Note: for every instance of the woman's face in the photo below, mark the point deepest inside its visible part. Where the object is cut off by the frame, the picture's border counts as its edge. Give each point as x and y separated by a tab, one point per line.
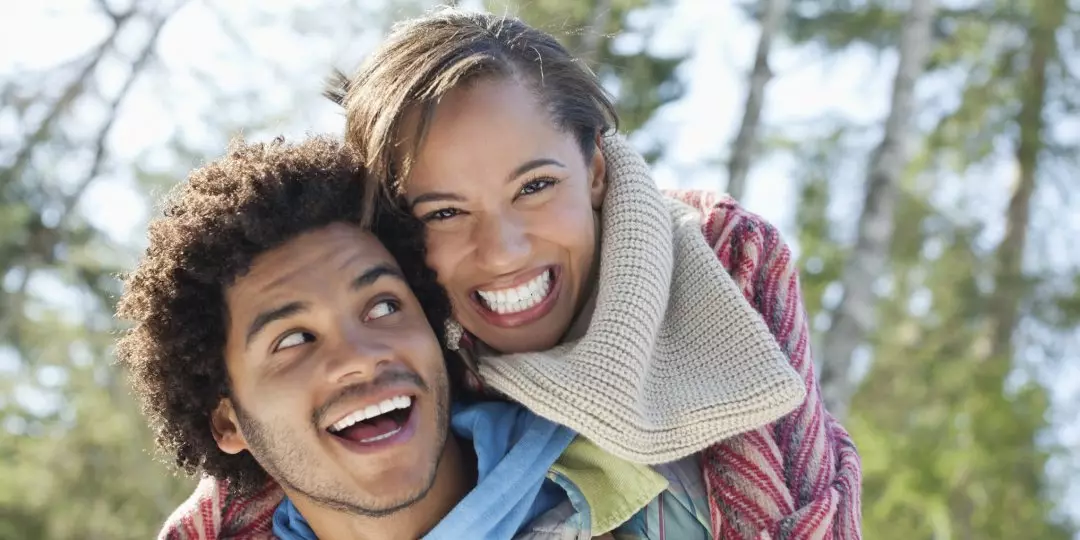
510	207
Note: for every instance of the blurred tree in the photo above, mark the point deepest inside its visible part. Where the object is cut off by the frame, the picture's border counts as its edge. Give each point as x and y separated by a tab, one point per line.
744	147
951	419
75	448
853	317
76	457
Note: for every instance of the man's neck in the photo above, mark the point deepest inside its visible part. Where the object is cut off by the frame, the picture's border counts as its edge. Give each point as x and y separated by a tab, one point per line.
454	477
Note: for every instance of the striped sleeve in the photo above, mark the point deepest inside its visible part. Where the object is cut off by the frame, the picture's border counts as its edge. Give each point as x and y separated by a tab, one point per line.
800	477
212	512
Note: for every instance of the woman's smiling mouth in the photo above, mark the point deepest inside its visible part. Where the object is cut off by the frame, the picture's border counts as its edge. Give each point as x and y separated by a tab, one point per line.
520	298
520	304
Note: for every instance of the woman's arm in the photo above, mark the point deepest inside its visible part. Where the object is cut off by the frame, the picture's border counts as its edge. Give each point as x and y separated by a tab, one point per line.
213	513
799	477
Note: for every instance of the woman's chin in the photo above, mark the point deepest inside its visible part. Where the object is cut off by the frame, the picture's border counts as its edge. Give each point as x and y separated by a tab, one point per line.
518	340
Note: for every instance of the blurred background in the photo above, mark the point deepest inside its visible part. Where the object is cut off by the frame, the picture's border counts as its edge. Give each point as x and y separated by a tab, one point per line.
920	157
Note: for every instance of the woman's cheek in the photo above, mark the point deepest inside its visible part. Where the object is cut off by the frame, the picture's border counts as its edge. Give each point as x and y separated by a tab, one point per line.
440	249
570	225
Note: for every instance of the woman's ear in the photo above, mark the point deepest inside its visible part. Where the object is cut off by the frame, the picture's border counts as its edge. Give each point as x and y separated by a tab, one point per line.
226	428
597	174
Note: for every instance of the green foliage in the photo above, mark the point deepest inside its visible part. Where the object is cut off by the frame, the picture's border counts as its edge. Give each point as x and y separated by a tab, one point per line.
77	456
950	449
963	447
947	451
839	24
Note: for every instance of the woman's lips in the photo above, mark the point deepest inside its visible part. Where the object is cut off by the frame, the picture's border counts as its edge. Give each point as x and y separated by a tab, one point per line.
517	306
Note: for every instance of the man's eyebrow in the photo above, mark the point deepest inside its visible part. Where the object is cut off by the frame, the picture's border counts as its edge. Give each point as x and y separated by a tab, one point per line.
271	315
371	275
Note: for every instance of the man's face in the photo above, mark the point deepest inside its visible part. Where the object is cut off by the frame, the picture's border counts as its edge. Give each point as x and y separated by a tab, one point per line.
339	389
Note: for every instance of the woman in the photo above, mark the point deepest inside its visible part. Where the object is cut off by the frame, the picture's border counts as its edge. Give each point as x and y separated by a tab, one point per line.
582	292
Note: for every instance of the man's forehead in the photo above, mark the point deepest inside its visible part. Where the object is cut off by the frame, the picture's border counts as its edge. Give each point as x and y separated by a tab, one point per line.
335	251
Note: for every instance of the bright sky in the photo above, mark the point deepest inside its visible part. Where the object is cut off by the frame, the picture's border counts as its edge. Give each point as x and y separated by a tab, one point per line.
277	80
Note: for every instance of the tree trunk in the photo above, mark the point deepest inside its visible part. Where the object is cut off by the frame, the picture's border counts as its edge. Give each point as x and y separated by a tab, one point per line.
854	316
1003	313
745	145
1004	310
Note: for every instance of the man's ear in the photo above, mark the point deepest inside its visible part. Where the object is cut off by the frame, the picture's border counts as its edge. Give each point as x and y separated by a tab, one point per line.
597	174
226	428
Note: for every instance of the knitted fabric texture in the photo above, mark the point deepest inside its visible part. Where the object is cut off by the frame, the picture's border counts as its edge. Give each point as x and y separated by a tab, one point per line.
675	359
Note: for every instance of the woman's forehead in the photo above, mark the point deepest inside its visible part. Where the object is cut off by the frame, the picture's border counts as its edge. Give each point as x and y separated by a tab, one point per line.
487	129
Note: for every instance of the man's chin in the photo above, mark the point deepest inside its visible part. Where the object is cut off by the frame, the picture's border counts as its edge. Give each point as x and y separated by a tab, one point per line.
389	509
392	498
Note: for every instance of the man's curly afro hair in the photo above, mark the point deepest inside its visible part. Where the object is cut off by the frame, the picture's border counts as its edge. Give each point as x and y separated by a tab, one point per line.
228	212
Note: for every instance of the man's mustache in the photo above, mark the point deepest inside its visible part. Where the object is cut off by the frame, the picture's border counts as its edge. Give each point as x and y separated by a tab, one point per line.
363	390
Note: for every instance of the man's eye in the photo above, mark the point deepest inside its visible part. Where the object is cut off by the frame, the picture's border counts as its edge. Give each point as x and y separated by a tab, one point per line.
537	185
294	339
441	214
382	309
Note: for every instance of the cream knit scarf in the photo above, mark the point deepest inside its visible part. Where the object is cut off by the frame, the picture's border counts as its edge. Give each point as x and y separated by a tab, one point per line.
675	359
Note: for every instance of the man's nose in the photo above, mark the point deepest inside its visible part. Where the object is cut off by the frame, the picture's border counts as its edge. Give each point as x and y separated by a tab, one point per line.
357	354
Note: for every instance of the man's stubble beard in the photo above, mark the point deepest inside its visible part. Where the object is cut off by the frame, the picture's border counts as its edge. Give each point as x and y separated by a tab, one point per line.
271	451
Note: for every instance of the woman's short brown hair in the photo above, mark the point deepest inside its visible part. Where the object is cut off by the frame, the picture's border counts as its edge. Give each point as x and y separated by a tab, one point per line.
423	59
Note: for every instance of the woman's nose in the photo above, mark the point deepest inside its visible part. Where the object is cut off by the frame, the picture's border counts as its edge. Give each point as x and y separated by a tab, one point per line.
502	244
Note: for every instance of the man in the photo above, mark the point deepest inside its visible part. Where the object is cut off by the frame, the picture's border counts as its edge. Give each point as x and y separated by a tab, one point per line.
274	338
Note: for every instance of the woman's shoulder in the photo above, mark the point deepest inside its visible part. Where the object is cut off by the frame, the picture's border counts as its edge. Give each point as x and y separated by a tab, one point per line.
737	235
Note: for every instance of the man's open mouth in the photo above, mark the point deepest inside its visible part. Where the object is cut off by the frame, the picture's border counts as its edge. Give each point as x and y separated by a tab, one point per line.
375	423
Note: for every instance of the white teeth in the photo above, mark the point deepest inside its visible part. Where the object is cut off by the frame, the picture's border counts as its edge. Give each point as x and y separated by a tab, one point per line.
386	435
518	298
371	411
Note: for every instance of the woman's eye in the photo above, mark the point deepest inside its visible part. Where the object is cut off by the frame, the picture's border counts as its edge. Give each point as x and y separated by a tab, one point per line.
441	215
382	309
294	339
537	185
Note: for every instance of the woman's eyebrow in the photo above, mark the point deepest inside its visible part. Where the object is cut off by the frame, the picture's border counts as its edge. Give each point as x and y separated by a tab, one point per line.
443	196
533	164
434	196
